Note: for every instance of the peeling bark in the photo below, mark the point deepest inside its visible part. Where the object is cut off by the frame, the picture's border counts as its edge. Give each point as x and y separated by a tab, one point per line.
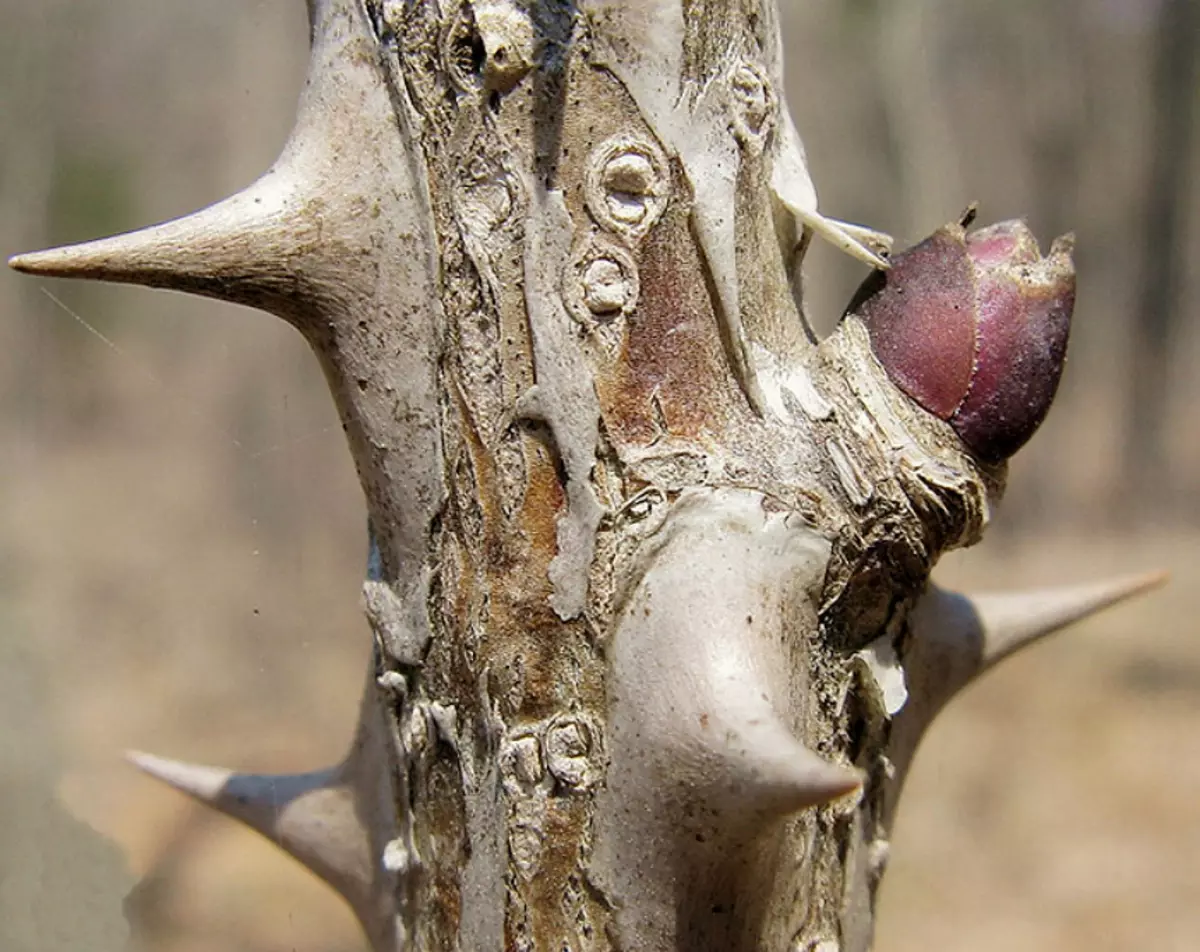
654	641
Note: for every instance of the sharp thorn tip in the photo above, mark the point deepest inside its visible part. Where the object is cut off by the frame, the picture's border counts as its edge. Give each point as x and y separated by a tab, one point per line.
203	783
21	262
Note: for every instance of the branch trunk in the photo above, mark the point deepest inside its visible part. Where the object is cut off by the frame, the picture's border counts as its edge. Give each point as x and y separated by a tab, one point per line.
653	638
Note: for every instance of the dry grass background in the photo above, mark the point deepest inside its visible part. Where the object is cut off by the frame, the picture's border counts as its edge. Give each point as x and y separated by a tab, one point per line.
181	534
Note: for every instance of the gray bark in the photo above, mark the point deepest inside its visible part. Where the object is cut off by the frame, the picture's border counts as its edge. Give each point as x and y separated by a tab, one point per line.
654	640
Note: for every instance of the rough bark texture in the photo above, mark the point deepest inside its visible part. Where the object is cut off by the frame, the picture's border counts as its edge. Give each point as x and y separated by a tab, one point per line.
654	642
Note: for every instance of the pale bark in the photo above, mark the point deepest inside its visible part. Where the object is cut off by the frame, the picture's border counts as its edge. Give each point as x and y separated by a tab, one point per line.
647	673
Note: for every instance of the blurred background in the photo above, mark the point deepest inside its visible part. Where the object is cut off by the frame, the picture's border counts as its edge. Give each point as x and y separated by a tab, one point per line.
181	533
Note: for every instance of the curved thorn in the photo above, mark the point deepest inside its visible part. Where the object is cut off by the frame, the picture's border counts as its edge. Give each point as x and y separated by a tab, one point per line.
706	715
781	775
705	700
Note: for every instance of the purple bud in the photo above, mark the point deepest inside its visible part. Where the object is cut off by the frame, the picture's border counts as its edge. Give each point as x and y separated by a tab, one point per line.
974	329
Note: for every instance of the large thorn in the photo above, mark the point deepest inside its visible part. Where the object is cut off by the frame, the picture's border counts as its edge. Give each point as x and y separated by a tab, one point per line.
706	728
238	250
338	822
311	816
956	638
1008	622
705	687
301	237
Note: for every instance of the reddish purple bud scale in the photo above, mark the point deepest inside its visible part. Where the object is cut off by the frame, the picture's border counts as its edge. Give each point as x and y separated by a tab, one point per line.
974	329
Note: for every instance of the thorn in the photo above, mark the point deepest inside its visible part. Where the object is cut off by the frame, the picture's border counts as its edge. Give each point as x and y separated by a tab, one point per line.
236	250
955	638
781	775
202	783
311	816
288	243
706	707
334	821
1011	621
